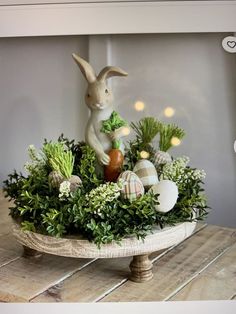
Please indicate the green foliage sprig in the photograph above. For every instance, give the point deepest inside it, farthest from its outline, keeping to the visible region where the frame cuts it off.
(113, 123)
(59, 159)
(110, 125)
(87, 169)
(74, 147)
(146, 130)
(167, 133)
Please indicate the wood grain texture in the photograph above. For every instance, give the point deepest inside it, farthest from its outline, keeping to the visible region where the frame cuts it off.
(5, 219)
(7, 256)
(158, 240)
(9, 243)
(217, 282)
(24, 278)
(178, 266)
(91, 283)
(96, 280)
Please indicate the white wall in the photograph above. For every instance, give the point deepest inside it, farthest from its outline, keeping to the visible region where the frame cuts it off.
(42, 94)
(195, 76)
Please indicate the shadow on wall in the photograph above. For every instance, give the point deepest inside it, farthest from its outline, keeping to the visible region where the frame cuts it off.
(20, 124)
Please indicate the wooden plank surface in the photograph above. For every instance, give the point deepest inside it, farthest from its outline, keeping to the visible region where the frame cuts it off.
(89, 284)
(217, 282)
(95, 281)
(10, 249)
(5, 219)
(25, 278)
(178, 266)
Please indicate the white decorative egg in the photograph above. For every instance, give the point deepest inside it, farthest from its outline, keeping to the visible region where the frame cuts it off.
(133, 187)
(168, 194)
(146, 172)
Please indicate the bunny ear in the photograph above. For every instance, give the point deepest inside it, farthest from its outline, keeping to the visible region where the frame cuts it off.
(85, 68)
(110, 71)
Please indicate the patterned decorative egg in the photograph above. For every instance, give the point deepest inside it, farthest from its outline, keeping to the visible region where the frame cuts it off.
(161, 158)
(146, 172)
(55, 179)
(75, 182)
(133, 187)
(168, 194)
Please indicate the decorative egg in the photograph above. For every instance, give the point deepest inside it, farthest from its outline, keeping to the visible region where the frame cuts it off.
(55, 179)
(168, 194)
(75, 182)
(133, 187)
(146, 172)
(161, 158)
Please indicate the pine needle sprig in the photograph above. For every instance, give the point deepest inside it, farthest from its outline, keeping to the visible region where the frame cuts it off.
(146, 129)
(167, 132)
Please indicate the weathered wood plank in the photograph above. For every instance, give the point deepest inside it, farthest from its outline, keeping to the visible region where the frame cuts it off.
(10, 249)
(107, 274)
(7, 256)
(217, 282)
(5, 219)
(93, 281)
(176, 268)
(25, 278)
(9, 242)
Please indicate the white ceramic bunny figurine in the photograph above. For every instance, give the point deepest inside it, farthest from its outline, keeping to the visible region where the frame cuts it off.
(99, 99)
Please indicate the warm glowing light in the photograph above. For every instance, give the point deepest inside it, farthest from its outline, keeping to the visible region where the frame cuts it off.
(175, 141)
(139, 106)
(169, 112)
(235, 146)
(126, 131)
(144, 154)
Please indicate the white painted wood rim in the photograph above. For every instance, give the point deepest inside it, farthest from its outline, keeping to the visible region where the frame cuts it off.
(117, 18)
(158, 240)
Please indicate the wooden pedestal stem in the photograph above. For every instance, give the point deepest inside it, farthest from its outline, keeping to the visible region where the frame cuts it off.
(141, 268)
(30, 253)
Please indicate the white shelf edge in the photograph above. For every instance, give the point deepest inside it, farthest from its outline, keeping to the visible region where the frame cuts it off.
(117, 18)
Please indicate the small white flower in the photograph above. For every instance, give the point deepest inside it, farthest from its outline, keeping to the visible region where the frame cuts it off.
(64, 189)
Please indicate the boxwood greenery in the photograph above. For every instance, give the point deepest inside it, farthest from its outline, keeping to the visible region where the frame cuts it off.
(96, 210)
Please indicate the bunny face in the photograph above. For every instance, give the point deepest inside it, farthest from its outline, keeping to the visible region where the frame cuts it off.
(98, 96)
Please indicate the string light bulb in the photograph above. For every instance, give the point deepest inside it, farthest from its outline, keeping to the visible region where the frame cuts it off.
(139, 106)
(144, 154)
(169, 112)
(175, 141)
(126, 131)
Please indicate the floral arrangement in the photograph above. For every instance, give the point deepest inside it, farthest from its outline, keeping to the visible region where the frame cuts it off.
(64, 194)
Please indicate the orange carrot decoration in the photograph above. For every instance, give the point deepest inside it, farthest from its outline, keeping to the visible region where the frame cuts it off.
(114, 168)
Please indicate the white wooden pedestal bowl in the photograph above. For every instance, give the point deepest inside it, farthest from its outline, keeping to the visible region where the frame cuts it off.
(141, 267)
